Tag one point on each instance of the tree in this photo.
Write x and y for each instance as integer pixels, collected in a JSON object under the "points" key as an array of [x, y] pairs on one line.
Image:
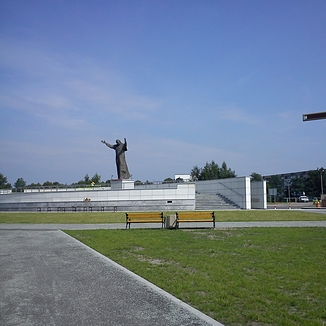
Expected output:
{"points": [[256, 176], [51, 184], [298, 186], [86, 179], [211, 171], [277, 182], [195, 173], [226, 172], [35, 185], [168, 180], [4, 182], [20, 183], [313, 182], [96, 179]]}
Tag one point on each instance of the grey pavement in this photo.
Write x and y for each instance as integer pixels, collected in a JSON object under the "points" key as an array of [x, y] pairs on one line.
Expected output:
{"points": [[219, 225], [49, 278]]}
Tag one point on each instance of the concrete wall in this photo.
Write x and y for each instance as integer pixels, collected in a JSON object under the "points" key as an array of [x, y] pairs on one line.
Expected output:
{"points": [[51, 189], [182, 197], [258, 195], [5, 191], [235, 189], [176, 196]]}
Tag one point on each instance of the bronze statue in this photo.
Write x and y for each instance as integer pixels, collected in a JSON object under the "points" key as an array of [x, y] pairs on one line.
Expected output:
{"points": [[120, 149]]}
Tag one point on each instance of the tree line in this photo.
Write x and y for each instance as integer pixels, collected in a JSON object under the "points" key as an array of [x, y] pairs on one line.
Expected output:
{"points": [[311, 185], [21, 183], [211, 171]]}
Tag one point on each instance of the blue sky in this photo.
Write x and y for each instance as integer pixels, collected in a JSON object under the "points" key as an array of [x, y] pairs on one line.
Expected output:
{"points": [[185, 82]]}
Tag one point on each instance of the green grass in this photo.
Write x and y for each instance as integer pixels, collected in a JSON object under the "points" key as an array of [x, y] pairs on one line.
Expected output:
{"points": [[258, 276], [63, 218], [119, 217]]}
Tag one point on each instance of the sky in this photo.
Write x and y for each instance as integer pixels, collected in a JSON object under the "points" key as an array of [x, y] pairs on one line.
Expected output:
{"points": [[185, 82]]}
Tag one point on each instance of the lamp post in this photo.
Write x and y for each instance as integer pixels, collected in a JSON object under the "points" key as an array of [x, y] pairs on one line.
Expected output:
{"points": [[288, 183], [321, 180]]}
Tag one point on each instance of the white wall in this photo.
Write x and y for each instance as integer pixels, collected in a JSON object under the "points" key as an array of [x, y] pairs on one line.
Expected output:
{"points": [[181, 191], [5, 191], [235, 189], [240, 190], [258, 194]]}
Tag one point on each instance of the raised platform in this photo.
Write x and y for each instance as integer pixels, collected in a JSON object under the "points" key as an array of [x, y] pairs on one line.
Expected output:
{"points": [[176, 197], [101, 206], [121, 184], [123, 195]]}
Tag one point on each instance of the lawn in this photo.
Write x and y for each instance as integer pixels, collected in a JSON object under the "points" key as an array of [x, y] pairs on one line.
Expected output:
{"points": [[257, 276], [119, 217]]}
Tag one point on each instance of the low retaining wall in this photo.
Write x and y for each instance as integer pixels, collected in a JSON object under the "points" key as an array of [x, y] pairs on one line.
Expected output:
{"points": [[180, 197], [163, 197], [107, 206]]}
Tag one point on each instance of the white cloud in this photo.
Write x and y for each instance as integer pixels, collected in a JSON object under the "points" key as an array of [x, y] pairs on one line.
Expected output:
{"points": [[58, 88], [112, 99]]}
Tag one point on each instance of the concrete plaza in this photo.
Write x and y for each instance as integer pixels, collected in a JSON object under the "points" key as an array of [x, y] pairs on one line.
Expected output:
{"points": [[49, 278]]}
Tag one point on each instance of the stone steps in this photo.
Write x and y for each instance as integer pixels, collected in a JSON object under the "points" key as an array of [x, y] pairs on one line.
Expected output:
{"points": [[213, 202]]}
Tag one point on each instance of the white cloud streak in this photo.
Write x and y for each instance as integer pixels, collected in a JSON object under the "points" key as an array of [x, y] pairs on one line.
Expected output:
{"points": [[58, 89]]}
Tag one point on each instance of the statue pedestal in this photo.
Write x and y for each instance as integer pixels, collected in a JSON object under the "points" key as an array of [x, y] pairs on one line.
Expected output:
{"points": [[122, 184]]}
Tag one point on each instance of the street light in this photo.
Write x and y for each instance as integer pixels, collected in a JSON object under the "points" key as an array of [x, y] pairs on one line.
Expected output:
{"points": [[288, 183], [321, 170]]}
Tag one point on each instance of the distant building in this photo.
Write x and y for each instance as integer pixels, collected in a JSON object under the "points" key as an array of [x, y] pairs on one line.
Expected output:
{"points": [[288, 176], [184, 177]]}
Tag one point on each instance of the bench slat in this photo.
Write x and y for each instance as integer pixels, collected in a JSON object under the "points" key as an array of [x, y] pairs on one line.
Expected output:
{"points": [[144, 221], [146, 217], [194, 220], [195, 217]]}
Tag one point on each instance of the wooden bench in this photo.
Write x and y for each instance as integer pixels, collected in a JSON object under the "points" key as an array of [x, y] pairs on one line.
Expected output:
{"points": [[155, 217], [194, 217]]}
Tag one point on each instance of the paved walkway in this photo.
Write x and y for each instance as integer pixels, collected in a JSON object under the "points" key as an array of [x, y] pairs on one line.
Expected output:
{"points": [[49, 278], [219, 225]]}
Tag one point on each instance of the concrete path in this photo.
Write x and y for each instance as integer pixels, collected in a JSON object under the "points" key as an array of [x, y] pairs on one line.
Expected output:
{"points": [[49, 278], [219, 225]]}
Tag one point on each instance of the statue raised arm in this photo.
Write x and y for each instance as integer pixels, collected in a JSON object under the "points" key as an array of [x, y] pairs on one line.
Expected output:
{"points": [[120, 149]]}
